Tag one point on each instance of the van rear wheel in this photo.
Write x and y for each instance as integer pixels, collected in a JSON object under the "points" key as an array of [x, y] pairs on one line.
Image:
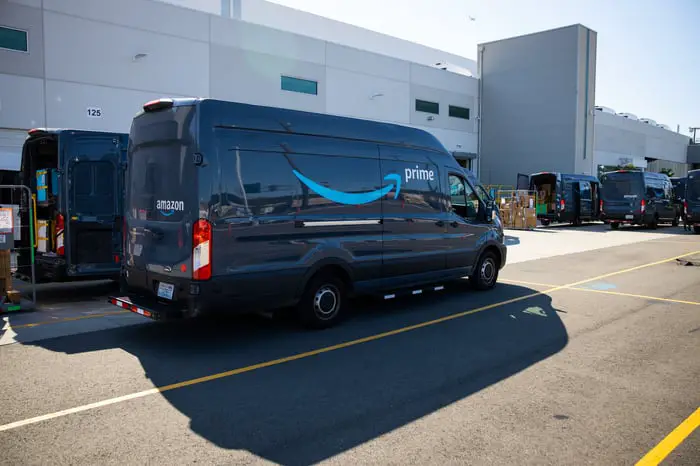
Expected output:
{"points": [[614, 226], [323, 302], [485, 274]]}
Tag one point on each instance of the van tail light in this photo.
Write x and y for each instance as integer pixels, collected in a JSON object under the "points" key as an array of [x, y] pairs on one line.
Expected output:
{"points": [[643, 206], [59, 229], [601, 206], [562, 205], [685, 207], [201, 250]]}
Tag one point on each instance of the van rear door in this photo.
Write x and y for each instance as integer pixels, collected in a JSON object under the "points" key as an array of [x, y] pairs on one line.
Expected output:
{"points": [[92, 204], [161, 199], [622, 194], [692, 196]]}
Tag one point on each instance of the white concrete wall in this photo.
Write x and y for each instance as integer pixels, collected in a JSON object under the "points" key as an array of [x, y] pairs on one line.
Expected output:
{"points": [[89, 62], [619, 138], [288, 19]]}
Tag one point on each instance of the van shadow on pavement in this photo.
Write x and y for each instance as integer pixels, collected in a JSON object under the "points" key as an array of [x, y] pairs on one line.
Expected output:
{"points": [[311, 409], [663, 228]]}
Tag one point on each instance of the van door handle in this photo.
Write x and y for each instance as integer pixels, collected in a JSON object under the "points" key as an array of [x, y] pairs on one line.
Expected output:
{"points": [[440, 223], [454, 224]]}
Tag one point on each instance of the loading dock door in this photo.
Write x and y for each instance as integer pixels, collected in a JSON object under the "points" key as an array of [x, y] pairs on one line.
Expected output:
{"points": [[11, 142]]}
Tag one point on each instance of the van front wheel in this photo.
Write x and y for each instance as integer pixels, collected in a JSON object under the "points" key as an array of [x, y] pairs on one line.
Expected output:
{"points": [[485, 274], [323, 302]]}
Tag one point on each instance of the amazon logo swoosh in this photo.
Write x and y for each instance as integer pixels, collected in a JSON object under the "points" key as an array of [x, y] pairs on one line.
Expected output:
{"points": [[166, 213], [352, 198]]}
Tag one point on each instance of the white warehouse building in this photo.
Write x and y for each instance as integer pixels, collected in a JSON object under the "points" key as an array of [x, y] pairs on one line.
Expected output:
{"points": [[92, 64]]}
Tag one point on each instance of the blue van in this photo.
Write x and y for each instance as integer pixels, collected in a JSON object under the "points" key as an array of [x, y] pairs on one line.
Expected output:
{"points": [[246, 208], [692, 200], [635, 197], [77, 182], [564, 197]]}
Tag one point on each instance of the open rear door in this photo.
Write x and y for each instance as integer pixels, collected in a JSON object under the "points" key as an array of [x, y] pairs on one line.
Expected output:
{"points": [[523, 181], [93, 204]]}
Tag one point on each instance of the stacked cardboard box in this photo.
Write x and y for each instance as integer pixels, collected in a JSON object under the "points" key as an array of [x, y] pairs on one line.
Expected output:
{"points": [[518, 210]]}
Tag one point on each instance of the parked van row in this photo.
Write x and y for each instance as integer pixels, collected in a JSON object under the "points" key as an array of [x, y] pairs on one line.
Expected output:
{"points": [[209, 205], [619, 197]]}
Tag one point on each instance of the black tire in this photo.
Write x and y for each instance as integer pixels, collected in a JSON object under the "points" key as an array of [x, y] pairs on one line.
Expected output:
{"points": [[324, 302], [675, 222], [485, 274], [654, 224], [614, 226], [545, 222], [696, 229]]}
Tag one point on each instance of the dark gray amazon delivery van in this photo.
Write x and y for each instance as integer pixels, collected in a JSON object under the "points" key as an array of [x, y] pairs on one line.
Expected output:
{"points": [[240, 208], [691, 204]]}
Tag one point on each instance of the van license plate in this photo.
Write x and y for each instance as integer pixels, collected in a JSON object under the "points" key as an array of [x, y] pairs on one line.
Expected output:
{"points": [[629, 217], [165, 290]]}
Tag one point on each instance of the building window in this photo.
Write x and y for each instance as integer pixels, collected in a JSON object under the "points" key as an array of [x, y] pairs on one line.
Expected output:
{"points": [[13, 39], [427, 107], [304, 86], [459, 112]]}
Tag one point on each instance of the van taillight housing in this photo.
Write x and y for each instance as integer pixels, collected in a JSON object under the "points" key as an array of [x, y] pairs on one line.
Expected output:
{"points": [[562, 205], [201, 250], [685, 207], [643, 206], [601, 206], [59, 229]]}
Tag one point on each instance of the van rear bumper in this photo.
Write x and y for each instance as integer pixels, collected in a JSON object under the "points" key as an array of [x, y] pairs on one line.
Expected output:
{"points": [[637, 219], [151, 309]]}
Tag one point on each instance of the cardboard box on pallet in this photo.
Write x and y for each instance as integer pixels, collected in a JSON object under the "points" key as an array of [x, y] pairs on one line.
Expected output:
{"points": [[530, 218]]}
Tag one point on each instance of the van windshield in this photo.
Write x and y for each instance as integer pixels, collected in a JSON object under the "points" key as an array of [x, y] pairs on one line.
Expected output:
{"points": [[620, 186], [161, 171]]}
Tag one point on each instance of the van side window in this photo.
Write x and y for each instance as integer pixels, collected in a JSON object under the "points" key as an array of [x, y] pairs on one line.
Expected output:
{"points": [[256, 184], [655, 189], [420, 190], [465, 202], [586, 191], [668, 191]]}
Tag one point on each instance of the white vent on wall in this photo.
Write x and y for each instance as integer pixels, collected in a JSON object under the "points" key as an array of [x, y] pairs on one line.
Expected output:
{"points": [[600, 108], [629, 116]]}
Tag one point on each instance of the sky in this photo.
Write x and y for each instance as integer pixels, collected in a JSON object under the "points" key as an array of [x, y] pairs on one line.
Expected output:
{"points": [[647, 50]]}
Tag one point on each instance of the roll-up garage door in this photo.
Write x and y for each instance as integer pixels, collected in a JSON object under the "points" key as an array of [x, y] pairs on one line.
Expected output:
{"points": [[11, 142]]}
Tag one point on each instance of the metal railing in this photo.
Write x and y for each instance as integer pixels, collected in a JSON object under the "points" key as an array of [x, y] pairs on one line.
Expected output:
{"points": [[19, 198]]}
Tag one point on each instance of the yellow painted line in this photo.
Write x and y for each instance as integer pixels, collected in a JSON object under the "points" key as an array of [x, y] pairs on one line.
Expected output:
{"points": [[620, 272], [614, 293], [67, 319], [672, 440], [640, 296], [522, 282], [327, 349]]}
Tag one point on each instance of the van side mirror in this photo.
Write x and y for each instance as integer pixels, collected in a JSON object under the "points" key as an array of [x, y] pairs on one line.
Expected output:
{"points": [[487, 215]]}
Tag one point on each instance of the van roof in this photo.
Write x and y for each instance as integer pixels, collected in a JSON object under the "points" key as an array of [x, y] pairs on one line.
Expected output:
{"points": [[42, 132], [241, 115], [573, 176]]}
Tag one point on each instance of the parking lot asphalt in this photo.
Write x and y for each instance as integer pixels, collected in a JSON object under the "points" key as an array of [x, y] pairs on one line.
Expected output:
{"points": [[578, 357]]}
